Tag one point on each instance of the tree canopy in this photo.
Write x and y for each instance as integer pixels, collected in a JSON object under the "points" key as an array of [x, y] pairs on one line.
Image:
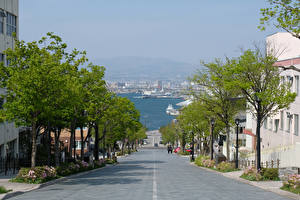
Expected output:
{"points": [[284, 13]]}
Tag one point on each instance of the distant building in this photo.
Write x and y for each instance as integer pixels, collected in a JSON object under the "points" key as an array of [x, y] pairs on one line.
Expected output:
{"points": [[159, 85], [9, 23]]}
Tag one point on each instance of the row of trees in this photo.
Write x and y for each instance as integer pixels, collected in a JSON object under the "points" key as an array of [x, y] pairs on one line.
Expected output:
{"points": [[49, 90], [225, 88]]}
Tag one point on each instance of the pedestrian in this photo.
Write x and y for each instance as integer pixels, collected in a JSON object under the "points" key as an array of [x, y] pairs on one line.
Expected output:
{"points": [[170, 149]]}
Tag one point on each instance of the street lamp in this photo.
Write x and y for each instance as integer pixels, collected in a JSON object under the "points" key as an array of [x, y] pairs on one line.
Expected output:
{"points": [[212, 123], [237, 122]]}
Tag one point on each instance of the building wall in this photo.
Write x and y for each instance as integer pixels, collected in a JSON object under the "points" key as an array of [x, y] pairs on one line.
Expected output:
{"points": [[65, 139], [11, 6], [283, 45], [9, 134]]}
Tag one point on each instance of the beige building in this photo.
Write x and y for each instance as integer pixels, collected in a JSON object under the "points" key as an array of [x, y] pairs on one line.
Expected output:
{"points": [[9, 23]]}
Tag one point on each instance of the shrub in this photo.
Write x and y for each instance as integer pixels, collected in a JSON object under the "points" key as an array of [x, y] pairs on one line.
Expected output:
{"points": [[36, 175], [72, 168], [208, 163], [3, 190], [270, 173], [99, 163], [120, 153], [199, 160], [110, 161], [251, 174], [225, 167], [292, 184], [184, 153]]}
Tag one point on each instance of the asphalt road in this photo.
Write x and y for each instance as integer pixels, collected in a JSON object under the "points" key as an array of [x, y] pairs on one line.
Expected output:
{"points": [[150, 174]]}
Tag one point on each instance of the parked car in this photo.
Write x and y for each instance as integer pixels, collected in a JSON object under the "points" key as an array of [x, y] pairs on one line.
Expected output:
{"points": [[177, 149]]}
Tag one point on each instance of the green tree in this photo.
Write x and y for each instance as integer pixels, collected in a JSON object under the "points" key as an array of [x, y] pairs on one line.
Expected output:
{"points": [[285, 13], [118, 118], [33, 81], [221, 102], [255, 76], [97, 98], [195, 118], [169, 133]]}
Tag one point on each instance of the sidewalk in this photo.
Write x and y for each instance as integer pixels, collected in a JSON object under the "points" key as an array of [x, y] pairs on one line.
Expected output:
{"points": [[17, 188], [20, 188], [272, 186]]}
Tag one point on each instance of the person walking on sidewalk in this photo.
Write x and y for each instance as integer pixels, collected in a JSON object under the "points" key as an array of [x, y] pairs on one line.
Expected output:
{"points": [[170, 149]]}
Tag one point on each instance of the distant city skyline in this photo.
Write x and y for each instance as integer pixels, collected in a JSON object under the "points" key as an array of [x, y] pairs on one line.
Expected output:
{"points": [[172, 29]]}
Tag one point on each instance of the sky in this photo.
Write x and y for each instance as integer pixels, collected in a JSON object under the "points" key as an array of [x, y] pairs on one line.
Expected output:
{"points": [[179, 30]]}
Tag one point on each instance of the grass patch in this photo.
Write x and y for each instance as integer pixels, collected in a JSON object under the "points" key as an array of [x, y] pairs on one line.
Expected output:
{"points": [[3, 190], [252, 177], [290, 189], [184, 153]]}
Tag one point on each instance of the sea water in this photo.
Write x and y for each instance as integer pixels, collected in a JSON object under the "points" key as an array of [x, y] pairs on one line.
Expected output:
{"points": [[153, 110]]}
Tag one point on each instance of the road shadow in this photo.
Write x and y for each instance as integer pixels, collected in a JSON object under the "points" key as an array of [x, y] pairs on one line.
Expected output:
{"points": [[125, 173], [136, 162]]}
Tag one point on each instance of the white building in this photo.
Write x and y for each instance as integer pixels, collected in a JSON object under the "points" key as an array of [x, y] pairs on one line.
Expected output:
{"points": [[280, 133], [9, 22]]}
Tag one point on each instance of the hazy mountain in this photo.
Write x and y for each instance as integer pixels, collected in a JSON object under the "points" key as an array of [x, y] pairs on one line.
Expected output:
{"points": [[141, 68]]}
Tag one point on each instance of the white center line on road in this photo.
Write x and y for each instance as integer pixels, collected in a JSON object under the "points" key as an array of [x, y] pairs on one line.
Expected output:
{"points": [[154, 194]]}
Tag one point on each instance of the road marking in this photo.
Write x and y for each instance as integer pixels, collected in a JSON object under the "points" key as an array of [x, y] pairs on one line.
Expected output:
{"points": [[154, 194]]}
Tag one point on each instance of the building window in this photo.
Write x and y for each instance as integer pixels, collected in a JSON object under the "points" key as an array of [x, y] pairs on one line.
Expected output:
{"points": [[297, 85], [296, 125], [78, 145], [290, 80], [1, 103], [1, 22], [266, 123], [11, 24], [281, 120], [1, 57], [288, 122], [271, 123], [282, 79], [276, 125]]}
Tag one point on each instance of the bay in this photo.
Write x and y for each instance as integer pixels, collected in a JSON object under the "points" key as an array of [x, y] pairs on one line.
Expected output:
{"points": [[153, 110]]}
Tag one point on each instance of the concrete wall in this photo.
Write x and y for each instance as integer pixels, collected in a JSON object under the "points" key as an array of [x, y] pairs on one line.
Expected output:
{"points": [[288, 155]]}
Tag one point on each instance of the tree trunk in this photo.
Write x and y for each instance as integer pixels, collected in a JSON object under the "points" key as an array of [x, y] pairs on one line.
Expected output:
{"points": [[183, 142], [49, 144], [33, 148], [57, 150], [96, 147], [82, 143], [128, 146], [227, 142], [71, 141], [122, 149], [104, 145], [109, 152]]}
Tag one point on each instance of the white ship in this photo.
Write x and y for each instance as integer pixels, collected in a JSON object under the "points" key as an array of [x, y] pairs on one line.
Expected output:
{"points": [[171, 111]]}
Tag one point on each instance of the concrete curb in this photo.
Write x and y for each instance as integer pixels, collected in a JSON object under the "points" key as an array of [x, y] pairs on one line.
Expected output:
{"points": [[254, 183], [38, 186]]}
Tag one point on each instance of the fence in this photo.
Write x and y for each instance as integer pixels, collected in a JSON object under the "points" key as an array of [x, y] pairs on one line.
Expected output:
{"points": [[9, 165], [267, 164]]}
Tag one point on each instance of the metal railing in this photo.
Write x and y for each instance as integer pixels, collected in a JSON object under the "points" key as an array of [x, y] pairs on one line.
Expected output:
{"points": [[266, 164]]}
